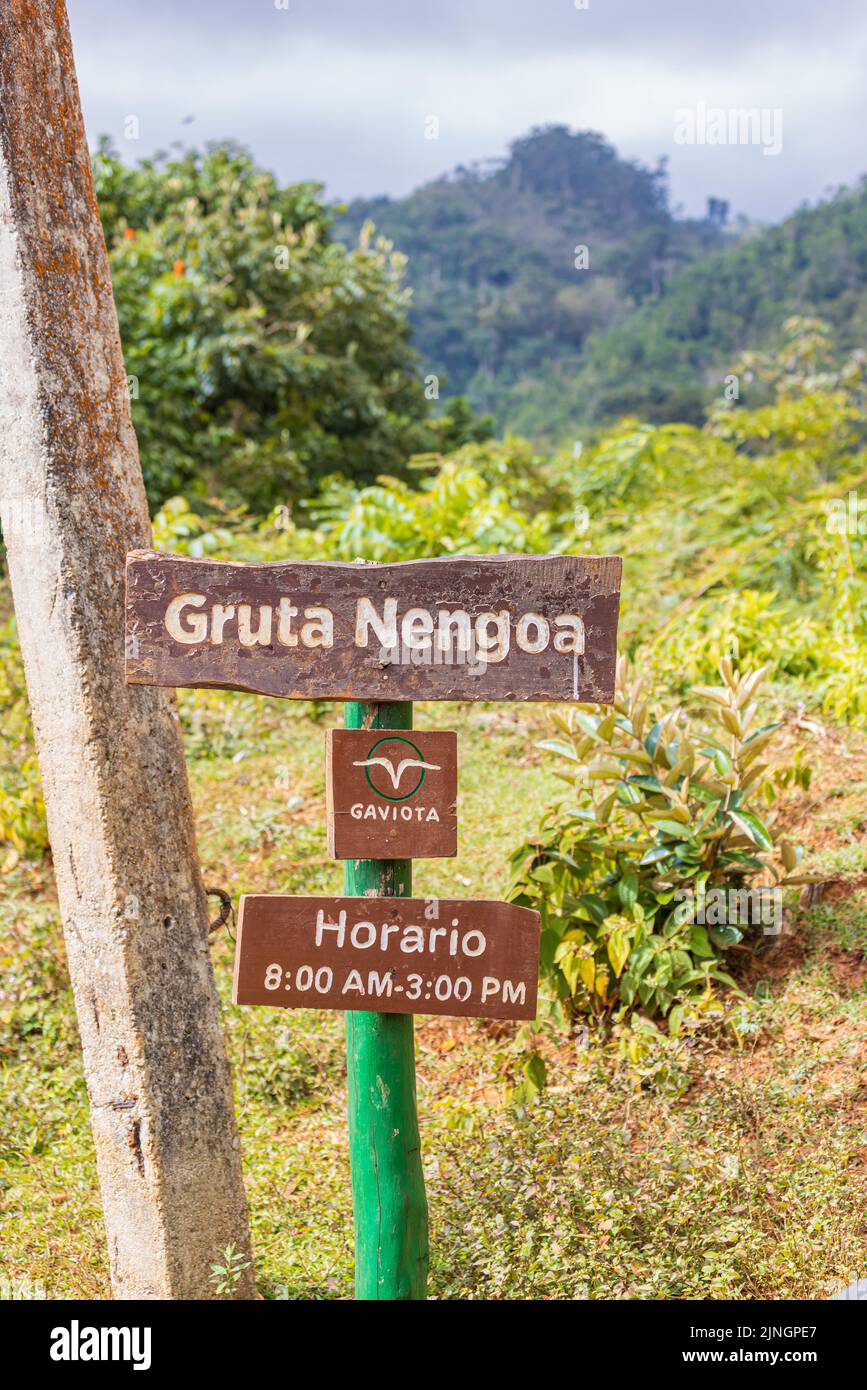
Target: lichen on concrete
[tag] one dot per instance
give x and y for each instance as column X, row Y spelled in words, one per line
column 119, row 813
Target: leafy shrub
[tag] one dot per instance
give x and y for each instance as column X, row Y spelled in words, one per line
column 751, row 628
column 178, row 528
column 481, row 499
column 231, row 533
column 666, row 808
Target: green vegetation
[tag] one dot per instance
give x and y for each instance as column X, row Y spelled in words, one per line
column 225, row 1276
column 651, row 1167
column 499, row 307
column 649, row 328
column 734, row 536
column 668, row 359
column 665, row 814
column 685, row 1121
column 261, row 354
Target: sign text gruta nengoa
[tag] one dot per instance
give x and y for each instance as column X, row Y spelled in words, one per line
column 478, row 628
column 190, row 620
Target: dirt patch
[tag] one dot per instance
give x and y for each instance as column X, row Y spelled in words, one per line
column 837, row 889
column 849, row 969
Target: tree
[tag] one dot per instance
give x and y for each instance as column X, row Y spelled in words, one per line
column 261, row 354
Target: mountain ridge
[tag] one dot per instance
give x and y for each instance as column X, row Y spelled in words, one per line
column 558, row 290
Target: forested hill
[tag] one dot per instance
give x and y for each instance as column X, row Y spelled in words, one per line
column 499, row 305
column 649, row 327
column 666, row 360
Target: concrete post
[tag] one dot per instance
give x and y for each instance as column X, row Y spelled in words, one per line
column 119, row 814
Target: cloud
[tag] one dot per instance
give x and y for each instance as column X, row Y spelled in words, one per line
column 338, row 91
column 729, row 29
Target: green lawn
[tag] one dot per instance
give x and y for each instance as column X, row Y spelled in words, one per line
column 703, row 1171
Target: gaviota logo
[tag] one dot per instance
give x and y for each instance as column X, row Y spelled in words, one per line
column 387, row 762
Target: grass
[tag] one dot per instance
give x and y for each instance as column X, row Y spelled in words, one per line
column 704, row 1171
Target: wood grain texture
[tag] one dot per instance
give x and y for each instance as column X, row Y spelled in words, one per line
column 506, row 587
column 391, row 794
column 464, row 958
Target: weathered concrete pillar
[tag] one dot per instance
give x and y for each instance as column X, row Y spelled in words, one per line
column 119, row 813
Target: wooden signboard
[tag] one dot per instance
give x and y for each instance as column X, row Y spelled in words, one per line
column 475, row 959
column 391, row 793
column 506, row 627
column 501, row 627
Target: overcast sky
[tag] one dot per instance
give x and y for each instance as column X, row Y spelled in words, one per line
column 340, row 90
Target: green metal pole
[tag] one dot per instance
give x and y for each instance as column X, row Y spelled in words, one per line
column 388, row 1196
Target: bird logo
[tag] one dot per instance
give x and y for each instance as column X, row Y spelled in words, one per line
column 396, row 773
column 394, row 763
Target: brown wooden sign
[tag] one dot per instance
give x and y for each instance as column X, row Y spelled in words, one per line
column 474, row 959
column 391, row 794
column 502, row 627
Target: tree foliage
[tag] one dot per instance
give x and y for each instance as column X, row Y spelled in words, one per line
column 262, row 354
column 649, row 328
column 499, row 306
column 667, row 360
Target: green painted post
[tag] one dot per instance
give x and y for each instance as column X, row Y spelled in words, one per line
column 388, row 1197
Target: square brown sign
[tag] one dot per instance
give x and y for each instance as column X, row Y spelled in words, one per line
column 391, row 793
